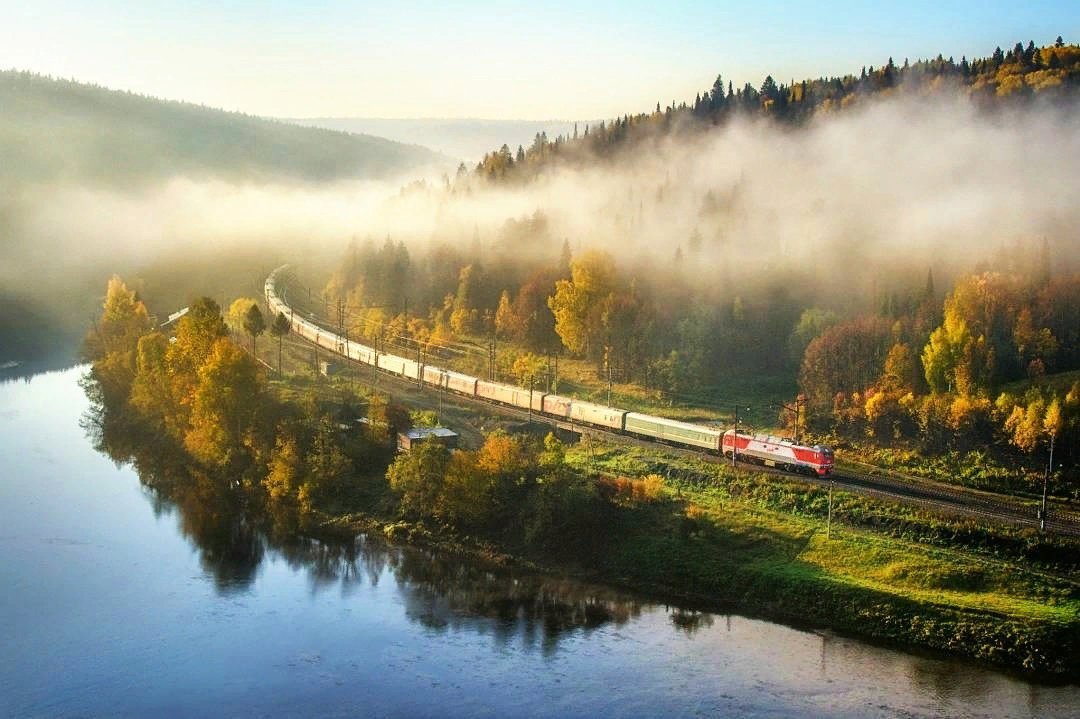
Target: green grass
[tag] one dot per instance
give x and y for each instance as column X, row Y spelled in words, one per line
column 936, row 576
column 759, row 542
column 890, row 547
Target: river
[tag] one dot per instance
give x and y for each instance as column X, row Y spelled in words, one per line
column 117, row 603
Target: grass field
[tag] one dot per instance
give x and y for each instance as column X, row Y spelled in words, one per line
column 904, row 557
column 881, row 570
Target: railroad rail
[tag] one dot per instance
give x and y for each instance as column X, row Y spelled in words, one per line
column 917, row 492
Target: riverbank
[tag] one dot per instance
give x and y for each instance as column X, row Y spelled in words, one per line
column 701, row 548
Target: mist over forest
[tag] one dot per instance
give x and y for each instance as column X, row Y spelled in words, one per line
column 90, row 183
column 835, row 211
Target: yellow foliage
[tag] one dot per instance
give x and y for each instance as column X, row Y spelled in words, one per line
column 1044, row 79
column 238, row 311
column 1054, row 420
column 964, row 411
column 224, row 403
column 875, row 405
column 1010, row 84
column 501, row 454
column 1027, row 425
column 630, row 490
column 696, row 511
column 655, row 488
column 461, row 321
column 283, row 480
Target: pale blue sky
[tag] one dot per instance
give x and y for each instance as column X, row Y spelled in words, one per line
column 489, row 59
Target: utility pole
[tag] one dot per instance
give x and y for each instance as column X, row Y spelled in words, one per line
column 1046, row 481
column 607, row 364
column 828, row 525
column 375, row 364
column 735, row 440
column 800, row 402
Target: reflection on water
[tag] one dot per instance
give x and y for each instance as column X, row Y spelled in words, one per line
column 441, row 592
column 166, row 595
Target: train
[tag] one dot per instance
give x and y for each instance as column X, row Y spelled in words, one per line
column 763, row 449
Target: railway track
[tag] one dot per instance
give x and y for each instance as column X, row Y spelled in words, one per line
column 965, row 501
column 917, row 492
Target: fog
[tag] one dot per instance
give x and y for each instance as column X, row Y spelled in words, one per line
column 891, row 186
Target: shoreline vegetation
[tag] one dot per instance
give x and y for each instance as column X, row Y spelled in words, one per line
column 202, row 422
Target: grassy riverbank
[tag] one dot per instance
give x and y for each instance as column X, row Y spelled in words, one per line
column 759, row 544
column 783, row 566
column 755, row 544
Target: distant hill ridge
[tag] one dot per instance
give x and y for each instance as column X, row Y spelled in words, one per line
column 52, row 129
column 468, row 139
column 1023, row 75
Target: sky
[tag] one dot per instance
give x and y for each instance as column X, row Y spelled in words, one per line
column 490, row 59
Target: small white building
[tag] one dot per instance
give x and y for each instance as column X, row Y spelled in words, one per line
column 406, row 440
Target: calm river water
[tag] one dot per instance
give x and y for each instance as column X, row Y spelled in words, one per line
column 116, row 603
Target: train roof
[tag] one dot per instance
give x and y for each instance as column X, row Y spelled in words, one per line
column 673, row 422
column 593, row 405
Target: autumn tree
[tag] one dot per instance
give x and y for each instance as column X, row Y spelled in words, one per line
column 254, row 324
column 901, row 372
column 123, row 321
column 224, row 404
column 1025, row 425
column 418, row 475
column 526, row 368
column 328, row 469
column 463, row 319
column 280, row 328
column 152, row 393
column 579, row 303
column 532, row 322
column 111, row 343
column 195, row 335
column 284, row 481
column 237, row 313
column 505, row 322
column 846, row 358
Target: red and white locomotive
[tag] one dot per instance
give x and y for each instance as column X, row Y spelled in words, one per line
column 779, row 452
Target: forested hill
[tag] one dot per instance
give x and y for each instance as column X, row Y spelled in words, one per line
column 63, row 130
column 1023, row 74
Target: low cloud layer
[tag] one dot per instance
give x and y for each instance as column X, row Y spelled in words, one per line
column 900, row 183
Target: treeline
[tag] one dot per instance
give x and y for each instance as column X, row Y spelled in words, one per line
column 106, row 137
column 535, row 298
column 922, row 364
column 966, row 373
column 199, row 401
column 1005, row 78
